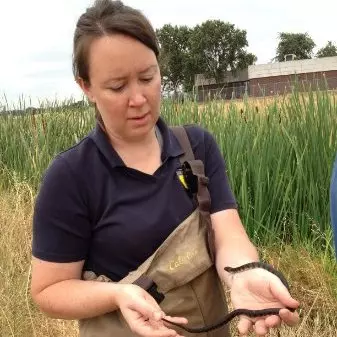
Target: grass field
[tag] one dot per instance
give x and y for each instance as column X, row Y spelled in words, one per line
column 279, row 154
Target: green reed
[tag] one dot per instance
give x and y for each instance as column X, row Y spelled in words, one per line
column 278, row 157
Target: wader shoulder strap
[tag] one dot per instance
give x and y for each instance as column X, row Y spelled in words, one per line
column 181, row 134
column 197, row 182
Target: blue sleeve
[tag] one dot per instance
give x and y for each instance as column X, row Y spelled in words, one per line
column 61, row 226
column 333, row 204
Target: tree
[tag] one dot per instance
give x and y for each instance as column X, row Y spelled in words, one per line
column 329, row 50
column 218, row 47
column 299, row 44
column 175, row 57
column 212, row 48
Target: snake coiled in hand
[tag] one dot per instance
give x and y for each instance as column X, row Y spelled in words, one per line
column 238, row 312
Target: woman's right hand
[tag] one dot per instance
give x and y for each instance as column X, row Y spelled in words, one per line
column 143, row 314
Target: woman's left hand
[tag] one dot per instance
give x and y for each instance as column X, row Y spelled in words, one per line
column 259, row 289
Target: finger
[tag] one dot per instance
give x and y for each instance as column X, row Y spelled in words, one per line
column 244, row 326
column 137, row 321
column 145, row 328
column 151, row 332
column 147, row 310
column 288, row 317
column 155, row 324
column 280, row 292
column 162, row 325
column 273, row 321
column 260, row 327
column 178, row 320
column 159, row 313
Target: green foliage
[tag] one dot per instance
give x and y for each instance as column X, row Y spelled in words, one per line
column 279, row 161
column 29, row 141
column 329, row 50
column 300, row 44
column 176, row 60
column 220, row 47
column 279, row 158
column 212, row 48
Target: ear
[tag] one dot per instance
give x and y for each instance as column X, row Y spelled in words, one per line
column 85, row 86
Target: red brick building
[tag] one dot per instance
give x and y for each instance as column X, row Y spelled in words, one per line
column 271, row 79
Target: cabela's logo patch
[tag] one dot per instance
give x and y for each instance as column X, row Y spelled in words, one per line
column 182, row 259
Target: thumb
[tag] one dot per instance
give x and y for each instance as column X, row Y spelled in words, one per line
column 281, row 293
column 146, row 309
column 244, row 326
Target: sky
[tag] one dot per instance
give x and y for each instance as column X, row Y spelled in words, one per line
column 36, row 36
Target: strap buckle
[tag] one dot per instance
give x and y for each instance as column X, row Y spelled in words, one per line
column 151, row 287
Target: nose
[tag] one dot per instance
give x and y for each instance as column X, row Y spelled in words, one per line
column 137, row 97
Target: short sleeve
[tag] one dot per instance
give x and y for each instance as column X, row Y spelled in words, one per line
column 61, row 225
column 221, row 193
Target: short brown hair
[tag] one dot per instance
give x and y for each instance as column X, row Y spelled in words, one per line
column 104, row 18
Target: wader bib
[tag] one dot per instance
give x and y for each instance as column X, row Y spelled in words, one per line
column 181, row 273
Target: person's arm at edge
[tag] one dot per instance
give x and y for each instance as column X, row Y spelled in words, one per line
column 56, row 285
column 66, row 296
column 232, row 244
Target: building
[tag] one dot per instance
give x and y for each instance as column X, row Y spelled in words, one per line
column 271, row 79
column 209, row 89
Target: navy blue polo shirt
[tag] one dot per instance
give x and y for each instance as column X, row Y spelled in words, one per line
column 92, row 207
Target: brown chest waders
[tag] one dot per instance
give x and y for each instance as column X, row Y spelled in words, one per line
column 181, row 273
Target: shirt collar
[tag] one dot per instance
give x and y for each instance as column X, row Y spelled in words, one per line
column 170, row 147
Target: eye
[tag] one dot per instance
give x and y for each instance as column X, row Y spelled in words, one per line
column 147, row 79
column 117, row 89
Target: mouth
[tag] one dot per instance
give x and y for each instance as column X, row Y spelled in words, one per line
column 139, row 117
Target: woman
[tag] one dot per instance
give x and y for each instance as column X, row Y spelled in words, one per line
column 117, row 203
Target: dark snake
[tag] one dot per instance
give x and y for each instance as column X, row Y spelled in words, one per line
column 238, row 312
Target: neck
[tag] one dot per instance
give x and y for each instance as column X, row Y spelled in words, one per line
column 135, row 144
column 142, row 154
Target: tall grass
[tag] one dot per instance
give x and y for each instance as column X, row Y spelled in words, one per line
column 19, row 317
column 30, row 141
column 279, row 156
column 312, row 278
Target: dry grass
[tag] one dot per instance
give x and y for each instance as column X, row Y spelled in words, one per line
column 312, row 278
column 18, row 316
column 257, row 103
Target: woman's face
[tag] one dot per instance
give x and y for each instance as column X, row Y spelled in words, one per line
column 125, row 85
